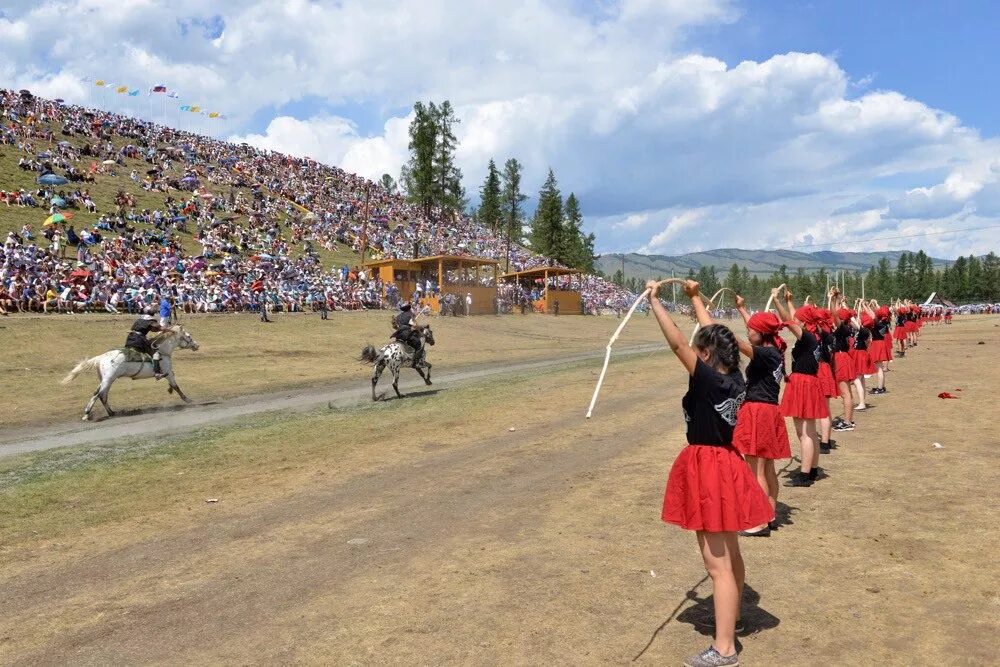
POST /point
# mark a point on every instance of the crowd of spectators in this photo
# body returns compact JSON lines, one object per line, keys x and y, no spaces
{"x":259,"y":219}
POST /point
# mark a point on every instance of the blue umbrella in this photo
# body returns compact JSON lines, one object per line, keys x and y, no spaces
{"x":52,"y":179}
{"x":45,"y":154}
{"x":59,"y":201}
{"x":64,"y":143}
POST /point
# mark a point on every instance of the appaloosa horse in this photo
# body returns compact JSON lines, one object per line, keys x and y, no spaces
{"x":394,"y":355}
{"x":117,"y":364}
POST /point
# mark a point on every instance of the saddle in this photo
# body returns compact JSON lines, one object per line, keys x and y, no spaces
{"x":133,"y":355}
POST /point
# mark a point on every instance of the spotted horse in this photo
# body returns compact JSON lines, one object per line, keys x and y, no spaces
{"x":394,"y":356}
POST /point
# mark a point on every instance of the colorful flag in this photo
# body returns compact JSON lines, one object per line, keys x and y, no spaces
{"x":214,"y":114}
{"x":99,"y":82}
{"x":121,"y":89}
{"x":158,"y":89}
{"x":185,"y":108}
{"x":194,"y":109}
{"x":173,"y":94}
{"x":133,"y":93}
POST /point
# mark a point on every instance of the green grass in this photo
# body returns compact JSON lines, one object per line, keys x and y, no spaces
{"x":103,"y":192}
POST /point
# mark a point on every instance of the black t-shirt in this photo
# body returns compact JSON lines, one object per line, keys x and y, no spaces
{"x":710,"y":405}
{"x":862,"y":338}
{"x":826,"y":347}
{"x":881,"y":329}
{"x":764,"y":373}
{"x":900,"y":320}
{"x":137,"y":336}
{"x":842,"y":337}
{"x":806,"y":354}
{"x":143,"y":326}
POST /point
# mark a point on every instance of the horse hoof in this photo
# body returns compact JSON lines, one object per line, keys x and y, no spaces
{"x":86,"y":418}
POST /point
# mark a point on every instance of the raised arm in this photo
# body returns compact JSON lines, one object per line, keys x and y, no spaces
{"x":692,"y":289}
{"x":784,"y":312}
{"x":745,"y":347}
{"x":675,"y":339}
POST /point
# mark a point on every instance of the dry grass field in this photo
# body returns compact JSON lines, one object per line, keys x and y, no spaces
{"x":239,"y":355}
{"x":492,"y":524}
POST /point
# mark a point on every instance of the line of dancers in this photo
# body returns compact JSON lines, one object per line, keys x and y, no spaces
{"x":723,"y":484}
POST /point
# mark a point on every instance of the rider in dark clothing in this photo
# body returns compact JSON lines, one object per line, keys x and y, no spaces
{"x":407,"y":330}
{"x":137,"y":341}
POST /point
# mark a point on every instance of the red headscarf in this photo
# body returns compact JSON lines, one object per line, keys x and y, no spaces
{"x":825,"y":319}
{"x":901,"y":310}
{"x":809,"y":316}
{"x":883,"y":312}
{"x":768,"y":325}
{"x":867,"y":321}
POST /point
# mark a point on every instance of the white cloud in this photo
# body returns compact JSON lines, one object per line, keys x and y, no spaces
{"x":749,"y":153}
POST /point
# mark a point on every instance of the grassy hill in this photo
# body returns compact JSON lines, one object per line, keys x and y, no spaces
{"x":759,"y":262}
{"x":103,"y":192}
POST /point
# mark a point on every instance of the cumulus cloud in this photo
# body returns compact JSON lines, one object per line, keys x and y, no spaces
{"x":666,"y":147}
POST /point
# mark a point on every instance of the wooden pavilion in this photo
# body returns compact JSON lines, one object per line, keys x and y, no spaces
{"x":555,"y":298}
{"x":447,"y":274}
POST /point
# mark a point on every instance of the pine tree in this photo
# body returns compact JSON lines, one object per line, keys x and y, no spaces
{"x":547,"y":233}
{"x":418,"y":175}
{"x":388,"y":183}
{"x":974,"y":279}
{"x":734,"y":279}
{"x":957,"y":285}
{"x":448,"y":191}
{"x":489,"y":199}
{"x":511,"y":200}
{"x":580,"y":246}
{"x":990,"y":288}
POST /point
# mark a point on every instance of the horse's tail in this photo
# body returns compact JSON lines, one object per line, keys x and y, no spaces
{"x":369,"y":354}
{"x":85,"y":365}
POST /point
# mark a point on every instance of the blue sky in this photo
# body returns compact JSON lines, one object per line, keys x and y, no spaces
{"x":681,"y":125}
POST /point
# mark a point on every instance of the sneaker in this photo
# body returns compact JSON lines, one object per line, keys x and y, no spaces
{"x":860,"y":408}
{"x":844,"y":426}
{"x":824,"y":448}
{"x":837,"y":420}
{"x":712,"y":658}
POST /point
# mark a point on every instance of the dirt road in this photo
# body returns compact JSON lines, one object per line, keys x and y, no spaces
{"x":175,"y":419}
{"x":467,"y":543}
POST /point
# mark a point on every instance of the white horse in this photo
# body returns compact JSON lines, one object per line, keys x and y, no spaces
{"x":115,"y":364}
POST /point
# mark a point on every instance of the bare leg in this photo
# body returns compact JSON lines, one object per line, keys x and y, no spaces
{"x":859,"y":386}
{"x":725,"y":566}
{"x":806,"y":430}
{"x":845,"y":397}
{"x":759,"y":467}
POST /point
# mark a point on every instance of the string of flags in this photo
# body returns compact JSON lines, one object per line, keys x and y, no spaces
{"x":156,"y":90}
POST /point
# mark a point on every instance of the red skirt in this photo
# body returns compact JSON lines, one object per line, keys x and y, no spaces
{"x":862,"y":360}
{"x":880,"y":350}
{"x":899,"y":333}
{"x":826,"y":382}
{"x":804,"y":398}
{"x":911,"y":327}
{"x":760,"y":431}
{"x":843,"y":367}
{"x":713,"y":489}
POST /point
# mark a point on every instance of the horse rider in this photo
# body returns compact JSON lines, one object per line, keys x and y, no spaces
{"x":407,"y":330}
{"x":137,"y":341}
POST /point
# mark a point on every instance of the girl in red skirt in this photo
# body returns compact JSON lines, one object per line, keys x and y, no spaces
{"x":711,"y":490}
{"x":861,"y":356}
{"x":843,"y":367}
{"x":824,"y":333}
{"x":761,"y":435}
{"x":899,"y":333}
{"x":803,"y":399}
{"x":880,"y":349}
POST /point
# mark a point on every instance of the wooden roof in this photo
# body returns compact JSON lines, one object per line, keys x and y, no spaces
{"x":449,"y":261}
{"x":540,"y":272}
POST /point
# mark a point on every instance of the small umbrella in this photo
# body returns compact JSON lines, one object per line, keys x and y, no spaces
{"x":58,"y":201}
{"x":152,"y":172}
{"x":109,"y":162}
{"x":64,"y":143}
{"x":52,"y":179}
{"x":55,"y":218}
{"x":44,"y":155}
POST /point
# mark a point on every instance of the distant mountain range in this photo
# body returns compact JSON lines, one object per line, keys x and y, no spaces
{"x":760,"y":262}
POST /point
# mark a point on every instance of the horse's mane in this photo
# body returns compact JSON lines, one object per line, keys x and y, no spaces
{"x":169,"y":332}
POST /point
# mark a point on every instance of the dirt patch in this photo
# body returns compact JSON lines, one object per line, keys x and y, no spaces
{"x":436,"y":535}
